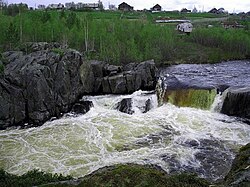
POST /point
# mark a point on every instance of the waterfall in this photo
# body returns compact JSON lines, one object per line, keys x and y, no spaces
{"x":174,"y":138}
{"x":197,"y":98}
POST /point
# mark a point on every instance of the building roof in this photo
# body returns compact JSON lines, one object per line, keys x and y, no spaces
{"x":125,"y":4}
{"x":157,"y":6}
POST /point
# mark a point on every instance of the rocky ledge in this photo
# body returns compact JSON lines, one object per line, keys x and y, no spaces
{"x":196,"y":85}
{"x":237,"y":102}
{"x":45,"y":80}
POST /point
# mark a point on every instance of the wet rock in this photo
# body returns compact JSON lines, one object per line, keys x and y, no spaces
{"x":82,"y":107}
{"x":237,"y":102}
{"x":192,"y":143}
{"x":125,"y":106}
{"x":239,"y":175}
{"x":203,"y":77}
{"x":117,"y":84}
{"x":148,"y":106}
{"x":45,"y":80}
{"x":38,"y":86}
{"x":214,"y":158}
{"x":111,"y":70}
{"x":110,"y":79}
{"x":207,"y":76}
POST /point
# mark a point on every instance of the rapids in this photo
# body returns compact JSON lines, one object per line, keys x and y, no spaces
{"x":174,"y":138}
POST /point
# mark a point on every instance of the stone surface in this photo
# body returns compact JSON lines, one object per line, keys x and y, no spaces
{"x":125,"y":106}
{"x":45,"y":80}
{"x":82,"y":107}
{"x":207,"y":76}
{"x":105,"y":79}
{"x":237,"y":102}
{"x":39,"y":85}
{"x":239,"y":175}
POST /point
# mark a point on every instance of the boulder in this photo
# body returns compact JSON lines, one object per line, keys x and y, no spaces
{"x":239,"y":175}
{"x":148,"y":106}
{"x":237,"y":102}
{"x":125,"y":106}
{"x":82,"y":107}
{"x":39,"y":85}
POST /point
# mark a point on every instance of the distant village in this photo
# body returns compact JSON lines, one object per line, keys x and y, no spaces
{"x":122,"y":7}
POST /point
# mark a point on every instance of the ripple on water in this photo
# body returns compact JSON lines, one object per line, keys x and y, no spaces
{"x":177,"y":139}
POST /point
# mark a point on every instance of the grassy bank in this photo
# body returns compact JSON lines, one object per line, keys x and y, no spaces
{"x":115,"y":176}
{"x":120,"y":38}
{"x":31,"y":178}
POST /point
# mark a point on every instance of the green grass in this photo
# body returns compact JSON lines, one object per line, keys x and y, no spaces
{"x":138,"y":176}
{"x":31,"y":178}
{"x":123,"y":37}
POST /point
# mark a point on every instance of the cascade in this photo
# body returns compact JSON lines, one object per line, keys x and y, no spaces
{"x":197,"y":98}
{"x":174,"y":138}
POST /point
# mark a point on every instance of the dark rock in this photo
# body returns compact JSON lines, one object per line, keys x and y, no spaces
{"x":222,"y":87}
{"x":98,"y":68}
{"x":148,"y":106}
{"x":237,"y":102}
{"x":146,"y":72}
{"x":105,"y":85}
{"x":45,"y":80}
{"x":239,"y":175}
{"x":111,"y":70}
{"x":109,"y":79}
{"x":38,"y":86}
{"x":130,"y":81}
{"x":82,"y":107}
{"x":117,"y":84}
{"x":125,"y":106}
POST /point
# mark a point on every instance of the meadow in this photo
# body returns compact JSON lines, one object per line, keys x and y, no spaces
{"x":123,"y":37}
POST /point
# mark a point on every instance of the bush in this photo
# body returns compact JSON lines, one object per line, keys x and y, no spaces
{"x":230,"y":40}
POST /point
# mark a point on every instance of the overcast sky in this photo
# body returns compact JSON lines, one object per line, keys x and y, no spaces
{"x":230,"y":5}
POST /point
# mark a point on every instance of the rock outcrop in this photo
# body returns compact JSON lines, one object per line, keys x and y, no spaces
{"x":104,"y":78}
{"x":82,"y":107}
{"x":237,"y":102}
{"x":125,"y":106}
{"x":239,"y":175}
{"x":45,"y":80}
{"x":39,"y":85}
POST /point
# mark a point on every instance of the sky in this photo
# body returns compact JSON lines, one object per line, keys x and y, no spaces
{"x":233,"y":6}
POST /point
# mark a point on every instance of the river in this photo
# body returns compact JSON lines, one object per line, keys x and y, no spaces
{"x":174,"y":138}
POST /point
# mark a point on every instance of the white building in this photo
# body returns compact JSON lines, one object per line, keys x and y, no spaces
{"x":185,"y":27}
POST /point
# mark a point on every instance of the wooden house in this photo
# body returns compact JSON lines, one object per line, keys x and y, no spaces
{"x":156,"y":8}
{"x":125,"y":7}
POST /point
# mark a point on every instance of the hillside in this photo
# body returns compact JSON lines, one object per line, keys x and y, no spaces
{"x":122,"y":37}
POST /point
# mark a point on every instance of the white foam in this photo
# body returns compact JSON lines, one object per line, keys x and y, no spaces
{"x":104,"y":136}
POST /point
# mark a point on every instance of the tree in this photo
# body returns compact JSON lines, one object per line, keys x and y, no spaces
{"x":11,"y":35}
{"x":45,"y":17}
{"x":72,"y":20}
